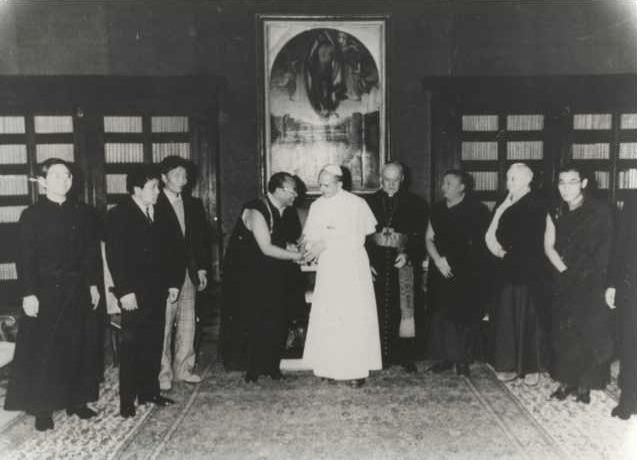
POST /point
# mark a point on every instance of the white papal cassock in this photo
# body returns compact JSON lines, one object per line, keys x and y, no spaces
{"x":342,"y":337}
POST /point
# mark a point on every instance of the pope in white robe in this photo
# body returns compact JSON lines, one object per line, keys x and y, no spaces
{"x":342,"y":340}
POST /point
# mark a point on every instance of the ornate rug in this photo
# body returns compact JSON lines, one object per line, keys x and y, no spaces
{"x":394,"y":416}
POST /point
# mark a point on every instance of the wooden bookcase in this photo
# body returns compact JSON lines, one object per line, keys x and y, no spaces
{"x":483,"y":124}
{"x":103,"y":125}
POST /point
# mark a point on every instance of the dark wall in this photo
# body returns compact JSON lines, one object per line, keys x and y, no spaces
{"x":426,"y":38}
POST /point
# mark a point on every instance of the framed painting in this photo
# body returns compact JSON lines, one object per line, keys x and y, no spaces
{"x":323,"y":97}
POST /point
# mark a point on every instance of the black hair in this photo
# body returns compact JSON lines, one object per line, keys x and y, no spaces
{"x":139,"y":175}
{"x":583,"y":171}
{"x":173,"y":162}
{"x":465,"y":178}
{"x":44,"y":167}
{"x":277,"y":180}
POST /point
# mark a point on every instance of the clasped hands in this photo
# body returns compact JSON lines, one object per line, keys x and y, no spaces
{"x":310,"y":250}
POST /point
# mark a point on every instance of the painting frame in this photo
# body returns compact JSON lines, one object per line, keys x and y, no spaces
{"x":345,"y":120}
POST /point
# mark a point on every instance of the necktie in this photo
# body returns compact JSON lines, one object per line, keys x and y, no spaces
{"x":178,"y":206}
{"x":150,"y":219}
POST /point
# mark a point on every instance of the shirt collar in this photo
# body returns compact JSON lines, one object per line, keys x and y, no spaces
{"x":172,"y":196}
{"x":142,"y":206}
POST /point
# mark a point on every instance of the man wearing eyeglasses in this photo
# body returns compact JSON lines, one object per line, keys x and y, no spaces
{"x":255,"y":281}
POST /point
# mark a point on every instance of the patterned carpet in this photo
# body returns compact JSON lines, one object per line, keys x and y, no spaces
{"x":394,"y":416}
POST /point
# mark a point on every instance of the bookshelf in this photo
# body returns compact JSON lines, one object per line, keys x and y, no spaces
{"x":483,"y":124}
{"x":140,"y":138}
{"x":103,"y":125}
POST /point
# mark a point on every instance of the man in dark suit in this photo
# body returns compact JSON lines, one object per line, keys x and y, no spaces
{"x":183,"y":219}
{"x":622,"y":293}
{"x":138,"y":254}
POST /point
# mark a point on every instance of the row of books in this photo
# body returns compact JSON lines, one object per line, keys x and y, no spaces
{"x":169,"y":124}
{"x":116,"y":183}
{"x":592,"y":121}
{"x":122,"y":124}
{"x":53,"y":124}
{"x":603,"y":179}
{"x":13,"y":154}
{"x":117,"y":153}
{"x":525,"y":150}
{"x":164,"y":149}
{"x":485,"y":180}
{"x":628,"y":121}
{"x":479,"y":151}
{"x":479,"y":122}
{"x":535,"y":122}
{"x":627,"y":179}
{"x":525,"y":122}
{"x":10,"y":214}
{"x":8,"y":272}
{"x":591,"y":151}
{"x":14,"y":185}
{"x":134,"y":124}
{"x":63,"y":151}
{"x":12,"y":125}
{"x":628,"y":151}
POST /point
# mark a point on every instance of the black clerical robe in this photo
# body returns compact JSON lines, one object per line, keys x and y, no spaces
{"x":57,"y":358}
{"x":255,"y":291}
{"x":406,"y":215}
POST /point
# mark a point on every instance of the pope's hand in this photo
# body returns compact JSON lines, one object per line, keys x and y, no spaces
{"x":313,"y":250}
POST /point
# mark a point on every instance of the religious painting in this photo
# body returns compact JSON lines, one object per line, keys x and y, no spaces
{"x":324,"y":98}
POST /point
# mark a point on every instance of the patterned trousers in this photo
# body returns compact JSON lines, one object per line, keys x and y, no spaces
{"x":180,"y":315}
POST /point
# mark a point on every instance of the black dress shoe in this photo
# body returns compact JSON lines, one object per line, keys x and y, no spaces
{"x":82,"y":412}
{"x":441,"y":367}
{"x":410,"y":368}
{"x":623,"y":411}
{"x":127,"y":411}
{"x":562,"y":393}
{"x":357,"y":383}
{"x":157,"y":401}
{"x":583,"y":397}
{"x":276,"y":375}
{"x":462,"y":369}
{"x":251,"y":378}
{"x":43,"y":423}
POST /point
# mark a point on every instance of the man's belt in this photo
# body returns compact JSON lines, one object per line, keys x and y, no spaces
{"x":390,"y":239}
